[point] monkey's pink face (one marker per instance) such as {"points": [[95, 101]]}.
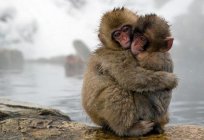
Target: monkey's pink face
{"points": [[122, 36], [138, 43]]}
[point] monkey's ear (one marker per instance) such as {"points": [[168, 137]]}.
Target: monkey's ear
{"points": [[100, 38], [169, 41]]}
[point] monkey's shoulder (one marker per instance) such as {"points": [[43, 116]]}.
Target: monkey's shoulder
{"points": [[95, 65], [113, 56], [104, 60]]}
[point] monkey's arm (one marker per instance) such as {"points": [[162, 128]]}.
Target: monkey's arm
{"points": [[135, 78], [142, 80]]}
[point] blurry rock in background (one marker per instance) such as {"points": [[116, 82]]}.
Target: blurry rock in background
{"points": [[82, 50], [13, 34], [75, 64], [11, 59]]}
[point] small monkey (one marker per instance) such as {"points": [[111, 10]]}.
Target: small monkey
{"points": [[151, 42], [151, 34], [113, 77]]}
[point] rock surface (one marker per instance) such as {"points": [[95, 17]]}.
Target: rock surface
{"points": [[23, 121], [11, 59]]}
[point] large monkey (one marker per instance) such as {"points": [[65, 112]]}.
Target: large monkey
{"points": [[113, 77]]}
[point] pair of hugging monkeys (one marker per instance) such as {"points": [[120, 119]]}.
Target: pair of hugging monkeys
{"points": [[128, 83]]}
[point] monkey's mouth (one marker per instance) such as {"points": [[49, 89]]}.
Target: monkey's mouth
{"points": [[138, 44], [128, 43]]}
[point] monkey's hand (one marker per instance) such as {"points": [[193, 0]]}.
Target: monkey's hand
{"points": [[140, 128], [124, 69], [170, 80], [154, 81], [142, 80]]}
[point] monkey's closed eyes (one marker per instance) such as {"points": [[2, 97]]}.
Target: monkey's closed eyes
{"points": [[126, 28]]}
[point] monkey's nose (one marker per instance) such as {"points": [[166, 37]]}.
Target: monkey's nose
{"points": [[124, 37]]}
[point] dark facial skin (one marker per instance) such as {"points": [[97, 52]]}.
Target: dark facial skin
{"points": [[122, 35]]}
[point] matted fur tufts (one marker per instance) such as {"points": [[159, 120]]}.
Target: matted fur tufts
{"points": [[119, 9]]}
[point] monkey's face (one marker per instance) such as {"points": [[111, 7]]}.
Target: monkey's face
{"points": [[122, 35], [151, 34], [116, 28], [139, 43]]}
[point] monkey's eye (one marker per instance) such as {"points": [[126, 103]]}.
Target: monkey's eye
{"points": [[116, 34], [126, 28]]}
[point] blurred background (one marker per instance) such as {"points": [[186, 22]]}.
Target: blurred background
{"points": [[44, 47]]}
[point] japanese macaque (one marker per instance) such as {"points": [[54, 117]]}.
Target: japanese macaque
{"points": [[151, 34], [115, 86], [151, 42]]}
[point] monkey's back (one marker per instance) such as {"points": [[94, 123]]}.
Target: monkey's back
{"points": [[103, 99]]}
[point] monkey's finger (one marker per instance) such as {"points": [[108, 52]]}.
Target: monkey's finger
{"points": [[147, 123], [141, 128]]}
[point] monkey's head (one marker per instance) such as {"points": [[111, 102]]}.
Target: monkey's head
{"points": [[151, 34], [116, 28]]}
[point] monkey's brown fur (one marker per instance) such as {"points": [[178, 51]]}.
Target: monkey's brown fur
{"points": [[108, 23], [114, 85], [156, 30]]}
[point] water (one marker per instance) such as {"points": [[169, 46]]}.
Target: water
{"points": [[46, 84]]}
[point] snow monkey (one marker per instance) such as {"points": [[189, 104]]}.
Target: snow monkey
{"points": [[151, 42], [115, 88]]}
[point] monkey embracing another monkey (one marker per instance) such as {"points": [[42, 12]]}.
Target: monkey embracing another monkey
{"points": [[114, 77], [152, 40]]}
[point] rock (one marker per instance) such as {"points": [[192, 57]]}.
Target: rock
{"points": [[27, 121], [82, 50], [11, 59]]}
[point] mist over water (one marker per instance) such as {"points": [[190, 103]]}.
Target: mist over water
{"points": [[46, 84], [36, 35]]}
